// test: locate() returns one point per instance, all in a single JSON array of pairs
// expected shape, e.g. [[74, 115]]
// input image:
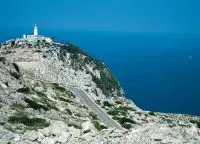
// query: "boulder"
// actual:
[[86, 126]]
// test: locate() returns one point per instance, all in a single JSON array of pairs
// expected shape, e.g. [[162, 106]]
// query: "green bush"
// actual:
[[69, 111], [41, 94], [93, 115], [60, 89], [126, 120], [115, 112], [15, 75], [106, 103], [119, 102], [65, 100], [74, 125], [35, 105], [2, 59], [98, 126], [106, 83], [152, 113], [25, 90], [30, 122], [18, 106], [125, 108], [127, 126], [197, 122], [116, 118]]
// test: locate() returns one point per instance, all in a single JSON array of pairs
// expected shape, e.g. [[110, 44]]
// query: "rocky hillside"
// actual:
[[53, 93]]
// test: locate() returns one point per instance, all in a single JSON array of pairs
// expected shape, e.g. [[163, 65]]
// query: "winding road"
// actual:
[[102, 115]]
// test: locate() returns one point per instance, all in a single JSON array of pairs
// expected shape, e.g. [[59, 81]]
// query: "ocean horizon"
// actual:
[[158, 71]]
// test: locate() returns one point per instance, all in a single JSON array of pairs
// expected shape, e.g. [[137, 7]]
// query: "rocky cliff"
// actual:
[[55, 93]]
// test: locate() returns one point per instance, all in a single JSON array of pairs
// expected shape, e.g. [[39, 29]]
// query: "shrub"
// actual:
[[16, 67], [126, 120], [98, 102], [115, 112], [98, 126], [106, 103], [106, 83], [93, 115], [2, 59], [125, 108], [152, 113], [41, 94], [116, 118], [30, 122], [25, 90], [65, 100], [119, 102], [127, 126], [69, 111], [196, 122], [15, 75], [18, 106], [35, 105], [74, 125], [59, 88]]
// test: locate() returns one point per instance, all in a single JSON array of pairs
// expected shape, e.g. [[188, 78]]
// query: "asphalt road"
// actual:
[[103, 116]]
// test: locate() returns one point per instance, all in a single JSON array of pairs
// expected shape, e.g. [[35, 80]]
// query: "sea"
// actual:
[[157, 71]]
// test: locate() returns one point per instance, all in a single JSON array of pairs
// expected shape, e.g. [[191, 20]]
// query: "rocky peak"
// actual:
[[63, 63]]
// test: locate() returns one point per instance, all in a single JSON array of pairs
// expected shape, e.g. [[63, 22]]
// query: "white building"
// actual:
[[35, 30], [35, 37]]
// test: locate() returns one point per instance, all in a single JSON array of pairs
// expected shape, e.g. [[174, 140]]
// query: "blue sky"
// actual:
[[174, 16]]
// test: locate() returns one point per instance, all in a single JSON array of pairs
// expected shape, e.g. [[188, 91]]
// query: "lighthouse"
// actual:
[[35, 30], [35, 37]]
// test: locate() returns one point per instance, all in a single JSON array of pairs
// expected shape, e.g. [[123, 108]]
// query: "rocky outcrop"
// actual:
[[37, 106]]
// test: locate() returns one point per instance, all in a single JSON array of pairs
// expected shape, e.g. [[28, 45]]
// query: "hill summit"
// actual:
[[54, 93]]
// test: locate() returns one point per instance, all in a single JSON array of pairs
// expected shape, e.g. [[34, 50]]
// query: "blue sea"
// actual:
[[158, 71]]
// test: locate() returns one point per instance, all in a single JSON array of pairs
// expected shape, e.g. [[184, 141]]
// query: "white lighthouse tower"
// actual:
[[35, 30]]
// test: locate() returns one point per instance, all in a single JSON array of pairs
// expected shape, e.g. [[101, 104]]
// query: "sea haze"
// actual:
[[159, 72]]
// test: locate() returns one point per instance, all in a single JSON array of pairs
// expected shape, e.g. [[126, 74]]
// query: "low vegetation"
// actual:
[[68, 111], [15, 75], [93, 116], [108, 104], [125, 122], [59, 88], [18, 107], [74, 125], [24, 90], [107, 83], [127, 126], [33, 123], [65, 100], [152, 113], [98, 125], [125, 108], [115, 112], [197, 122], [35, 105]]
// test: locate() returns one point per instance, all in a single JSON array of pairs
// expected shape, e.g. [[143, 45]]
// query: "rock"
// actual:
[[33, 135], [2, 86], [86, 126], [55, 129], [56, 132]]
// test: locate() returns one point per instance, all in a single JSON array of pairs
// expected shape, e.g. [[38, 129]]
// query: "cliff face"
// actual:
[[65, 64], [52, 93]]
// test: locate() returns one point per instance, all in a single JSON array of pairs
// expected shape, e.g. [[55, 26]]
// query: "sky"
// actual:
[[173, 16]]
